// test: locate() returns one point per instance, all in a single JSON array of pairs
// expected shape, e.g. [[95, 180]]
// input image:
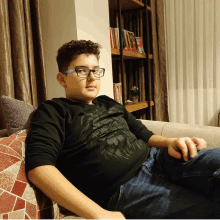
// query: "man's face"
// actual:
[[76, 87]]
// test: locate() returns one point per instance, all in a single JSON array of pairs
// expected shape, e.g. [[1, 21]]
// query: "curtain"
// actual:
[[193, 60], [158, 77], [22, 71]]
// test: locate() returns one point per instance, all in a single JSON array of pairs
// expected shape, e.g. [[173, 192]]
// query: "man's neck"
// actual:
[[79, 102]]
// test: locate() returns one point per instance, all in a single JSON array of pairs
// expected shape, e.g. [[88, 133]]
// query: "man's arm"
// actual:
[[185, 147], [158, 141], [53, 184]]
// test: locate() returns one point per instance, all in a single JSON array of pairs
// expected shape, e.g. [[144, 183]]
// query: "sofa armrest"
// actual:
[[3, 133]]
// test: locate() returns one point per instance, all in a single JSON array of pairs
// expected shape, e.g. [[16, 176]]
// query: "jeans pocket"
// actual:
[[153, 164]]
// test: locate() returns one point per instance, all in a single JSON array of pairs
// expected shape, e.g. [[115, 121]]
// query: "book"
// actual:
[[115, 38], [134, 42], [124, 37], [118, 40], [111, 41], [129, 42], [115, 94], [125, 40], [119, 92], [140, 45]]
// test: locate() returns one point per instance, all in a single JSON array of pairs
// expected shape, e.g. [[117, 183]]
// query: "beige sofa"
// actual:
[[168, 129]]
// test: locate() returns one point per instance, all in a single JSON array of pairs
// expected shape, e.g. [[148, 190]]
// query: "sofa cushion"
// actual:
[[19, 198], [18, 114]]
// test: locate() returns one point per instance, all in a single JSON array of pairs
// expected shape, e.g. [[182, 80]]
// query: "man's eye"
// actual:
[[81, 70]]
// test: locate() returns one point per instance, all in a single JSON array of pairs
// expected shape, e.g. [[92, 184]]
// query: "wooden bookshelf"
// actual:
[[133, 72], [138, 106], [129, 54]]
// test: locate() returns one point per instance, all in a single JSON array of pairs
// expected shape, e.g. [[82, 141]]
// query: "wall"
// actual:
[[92, 23], [63, 21]]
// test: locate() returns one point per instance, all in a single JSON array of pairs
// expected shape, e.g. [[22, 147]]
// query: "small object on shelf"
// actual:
[[129, 102], [134, 91], [135, 99]]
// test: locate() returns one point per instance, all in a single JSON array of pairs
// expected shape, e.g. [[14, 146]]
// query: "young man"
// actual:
[[95, 159]]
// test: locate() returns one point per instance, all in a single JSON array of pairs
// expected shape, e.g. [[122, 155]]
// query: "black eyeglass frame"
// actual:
[[90, 70]]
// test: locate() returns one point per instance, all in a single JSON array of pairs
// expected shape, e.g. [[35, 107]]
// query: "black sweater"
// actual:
[[96, 147]]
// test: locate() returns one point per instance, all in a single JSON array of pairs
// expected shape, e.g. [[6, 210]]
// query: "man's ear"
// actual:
[[61, 78]]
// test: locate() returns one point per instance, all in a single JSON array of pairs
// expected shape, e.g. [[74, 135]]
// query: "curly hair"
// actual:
[[70, 51]]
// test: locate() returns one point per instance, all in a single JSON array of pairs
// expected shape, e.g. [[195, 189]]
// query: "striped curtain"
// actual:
[[193, 60]]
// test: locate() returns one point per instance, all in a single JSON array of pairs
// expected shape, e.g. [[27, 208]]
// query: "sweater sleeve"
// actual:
[[46, 137], [137, 127]]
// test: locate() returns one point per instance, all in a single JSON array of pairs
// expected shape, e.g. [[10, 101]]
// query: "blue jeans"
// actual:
[[166, 187]]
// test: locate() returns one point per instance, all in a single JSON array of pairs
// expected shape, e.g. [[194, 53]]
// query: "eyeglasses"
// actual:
[[85, 72]]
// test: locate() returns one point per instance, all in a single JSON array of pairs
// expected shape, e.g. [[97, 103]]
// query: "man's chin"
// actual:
[[92, 93]]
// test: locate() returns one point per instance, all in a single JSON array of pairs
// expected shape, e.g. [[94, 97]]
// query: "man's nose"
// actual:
[[91, 75]]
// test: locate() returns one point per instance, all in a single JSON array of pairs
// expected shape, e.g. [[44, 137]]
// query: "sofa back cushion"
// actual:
[[210, 134], [18, 114]]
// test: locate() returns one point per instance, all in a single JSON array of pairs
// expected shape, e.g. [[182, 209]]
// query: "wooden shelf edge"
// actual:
[[130, 54], [138, 106], [142, 4], [138, 2], [127, 5]]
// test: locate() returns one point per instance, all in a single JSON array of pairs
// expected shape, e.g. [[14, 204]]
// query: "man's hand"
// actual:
[[185, 147]]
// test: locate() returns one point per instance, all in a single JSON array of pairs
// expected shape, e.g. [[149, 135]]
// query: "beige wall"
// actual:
[[66, 20]]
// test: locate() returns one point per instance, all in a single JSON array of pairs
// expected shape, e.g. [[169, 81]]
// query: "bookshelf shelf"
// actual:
[[138, 106], [125, 6], [129, 54]]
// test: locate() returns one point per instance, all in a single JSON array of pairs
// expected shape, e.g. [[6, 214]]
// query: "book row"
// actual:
[[129, 41]]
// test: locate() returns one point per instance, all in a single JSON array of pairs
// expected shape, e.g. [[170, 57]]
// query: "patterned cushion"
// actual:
[[18, 114], [19, 198]]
